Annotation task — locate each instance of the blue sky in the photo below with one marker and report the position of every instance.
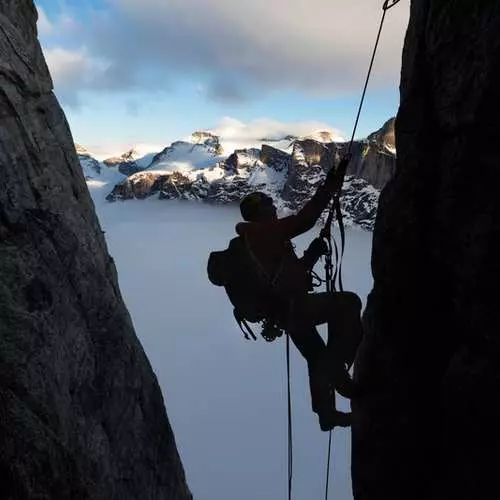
(152, 71)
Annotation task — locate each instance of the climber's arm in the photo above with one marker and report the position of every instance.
(293, 225)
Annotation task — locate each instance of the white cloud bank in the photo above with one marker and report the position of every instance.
(72, 70)
(266, 128)
(225, 397)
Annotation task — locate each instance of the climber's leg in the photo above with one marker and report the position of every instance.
(341, 310)
(312, 347)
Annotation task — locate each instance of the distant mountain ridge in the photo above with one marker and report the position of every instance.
(288, 168)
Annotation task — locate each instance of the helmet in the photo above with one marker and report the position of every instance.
(252, 203)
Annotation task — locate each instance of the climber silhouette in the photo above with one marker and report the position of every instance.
(297, 311)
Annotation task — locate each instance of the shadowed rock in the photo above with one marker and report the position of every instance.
(275, 158)
(426, 427)
(374, 159)
(241, 158)
(81, 412)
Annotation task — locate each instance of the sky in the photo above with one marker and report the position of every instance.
(225, 396)
(131, 72)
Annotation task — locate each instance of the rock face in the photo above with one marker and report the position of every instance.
(208, 139)
(241, 158)
(426, 427)
(374, 158)
(275, 158)
(81, 412)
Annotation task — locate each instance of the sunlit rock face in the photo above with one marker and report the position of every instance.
(426, 425)
(81, 412)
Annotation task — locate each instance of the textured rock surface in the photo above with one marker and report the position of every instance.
(275, 158)
(209, 139)
(81, 412)
(241, 158)
(374, 158)
(427, 425)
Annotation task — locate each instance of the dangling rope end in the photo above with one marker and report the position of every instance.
(289, 408)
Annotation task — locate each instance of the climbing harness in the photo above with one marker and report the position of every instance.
(333, 275)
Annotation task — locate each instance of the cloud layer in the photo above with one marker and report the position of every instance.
(234, 134)
(238, 49)
(256, 131)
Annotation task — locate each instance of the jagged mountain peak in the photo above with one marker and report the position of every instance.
(181, 155)
(200, 136)
(385, 136)
(131, 161)
(208, 139)
(325, 136)
(130, 155)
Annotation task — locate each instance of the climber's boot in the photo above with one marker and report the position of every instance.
(342, 381)
(334, 418)
(323, 403)
(333, 366)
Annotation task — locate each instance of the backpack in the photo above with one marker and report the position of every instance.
(247, 287)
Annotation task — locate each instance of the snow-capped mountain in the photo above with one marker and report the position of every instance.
(287, 168)
(90, 166)
(203, 150)
(130, 162)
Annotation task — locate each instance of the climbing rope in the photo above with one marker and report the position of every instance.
(290, 435)
(335, 209)
(342, 168)
(330, 281)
